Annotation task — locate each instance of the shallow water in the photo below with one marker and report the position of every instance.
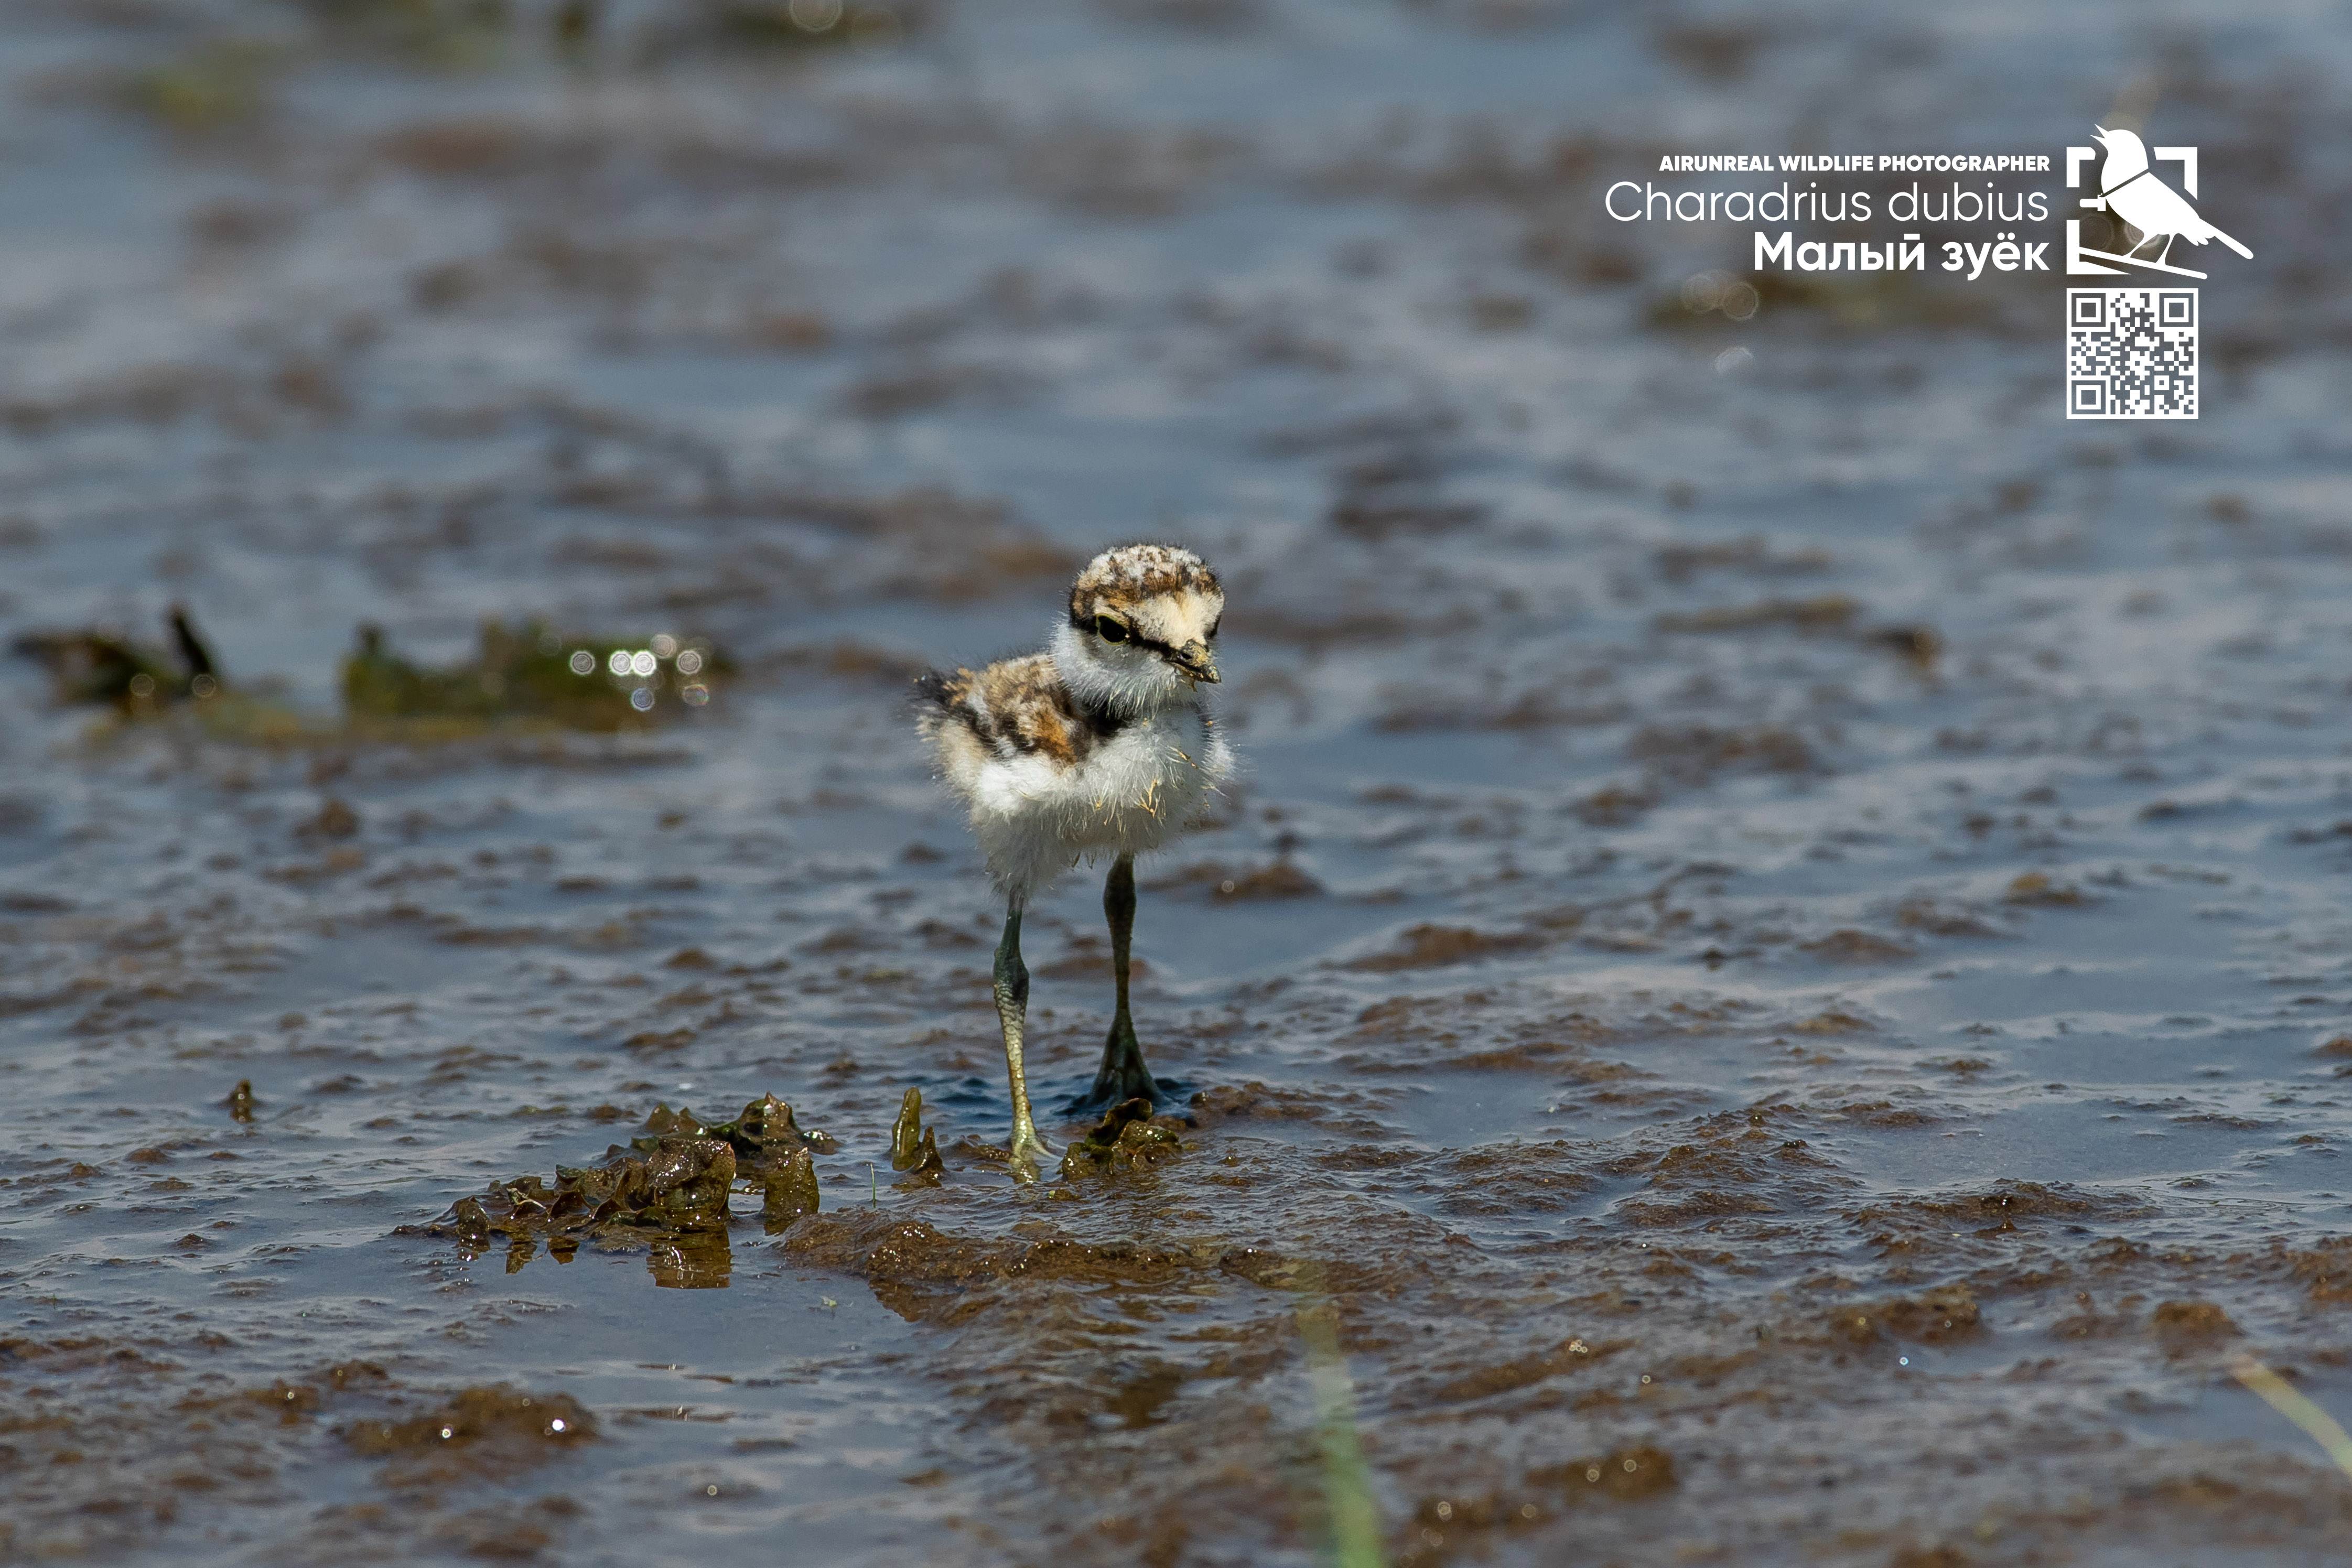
(1888, 1088)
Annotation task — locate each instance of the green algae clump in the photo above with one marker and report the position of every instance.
(525, 676)
(529, 674)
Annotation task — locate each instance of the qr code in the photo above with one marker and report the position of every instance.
(2131, 353)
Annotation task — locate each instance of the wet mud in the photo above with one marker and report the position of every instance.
(1774, 987)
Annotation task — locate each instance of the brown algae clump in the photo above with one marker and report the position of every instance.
(680, 1183)
(1446, 1525)
(671, 1182)
(764, 1136)
(768, 1142)
(531, 674)
(92, 666)
(1626, 1475)
(791, 1192)
(1128, 1138)
(476, 1431)
(2191, 1320)
(1932, 1317)
(913, 1148)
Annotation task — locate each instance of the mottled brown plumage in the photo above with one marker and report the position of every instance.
(1023, 707)
(1120, 580)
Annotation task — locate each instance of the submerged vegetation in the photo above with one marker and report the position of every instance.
(230, 83)
(101, 668)
(520, 677)
(531, 674)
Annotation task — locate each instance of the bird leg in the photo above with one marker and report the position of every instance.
(1123, 1075)
(1012, 1013)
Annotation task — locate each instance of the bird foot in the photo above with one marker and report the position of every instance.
(1116, 1086)
(1030, 1156)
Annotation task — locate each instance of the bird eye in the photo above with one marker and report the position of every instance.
(1110, 629)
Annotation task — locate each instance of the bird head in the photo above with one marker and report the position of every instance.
(2126, 153)
(1142, 627)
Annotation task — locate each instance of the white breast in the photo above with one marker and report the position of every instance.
(1130, 794)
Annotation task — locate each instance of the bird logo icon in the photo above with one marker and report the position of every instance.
(2131, 190)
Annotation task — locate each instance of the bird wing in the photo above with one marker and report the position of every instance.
(2155, 208)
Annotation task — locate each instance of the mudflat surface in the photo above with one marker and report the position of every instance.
(1771, 991)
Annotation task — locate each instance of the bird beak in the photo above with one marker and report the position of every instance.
(1197, 662)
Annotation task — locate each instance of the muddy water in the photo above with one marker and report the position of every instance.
(1769, 984)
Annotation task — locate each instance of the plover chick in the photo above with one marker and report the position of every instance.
(1103, 745)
